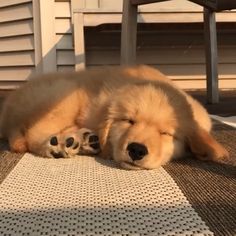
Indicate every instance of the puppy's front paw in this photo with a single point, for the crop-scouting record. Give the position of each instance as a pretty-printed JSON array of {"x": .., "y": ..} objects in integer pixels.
[
  {"x": 61, "y": 146},
  {"x": 90, "y": 144},
  {"x": 72, "y": 142}
]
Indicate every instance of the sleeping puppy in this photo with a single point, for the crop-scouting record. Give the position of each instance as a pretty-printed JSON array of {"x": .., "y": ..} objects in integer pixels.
[{"x": 141, "y": 119}]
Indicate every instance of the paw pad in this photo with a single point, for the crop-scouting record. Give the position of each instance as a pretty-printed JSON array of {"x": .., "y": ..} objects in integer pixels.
[
  {"x": 76, "y": 146},
  {"x": 93, "y": 138},
  {"x": 54, "y": 141},
  {"x": 95, "y": 146},
  {"x": 69, "y": 142}
]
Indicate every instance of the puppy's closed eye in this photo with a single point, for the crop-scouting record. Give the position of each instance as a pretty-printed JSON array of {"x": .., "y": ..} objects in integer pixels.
[
  {"x": 166, "y": 133},
  {"x": 129, "y": 121}
]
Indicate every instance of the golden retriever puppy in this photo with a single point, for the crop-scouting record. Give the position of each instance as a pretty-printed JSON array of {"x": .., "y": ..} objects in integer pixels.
[{"x": 140, "y": 118}]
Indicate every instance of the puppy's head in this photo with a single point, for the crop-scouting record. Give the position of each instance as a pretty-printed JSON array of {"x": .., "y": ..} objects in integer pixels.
[
  {"x": 146, "y": 126},
  {"x": 140, "y": 128}
]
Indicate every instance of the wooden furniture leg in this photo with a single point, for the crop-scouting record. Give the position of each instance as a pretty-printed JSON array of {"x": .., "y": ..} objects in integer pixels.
[
  {"x": 129, "y": 33},
  {"x": 211, "y": 56},
  {"x": 79, "y": 43}
]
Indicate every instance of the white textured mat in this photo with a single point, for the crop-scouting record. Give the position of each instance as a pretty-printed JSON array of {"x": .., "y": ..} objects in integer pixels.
[{"x": 84, "y": 196}]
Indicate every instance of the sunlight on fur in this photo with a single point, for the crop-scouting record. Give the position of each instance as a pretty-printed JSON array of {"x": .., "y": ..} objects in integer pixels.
[{"x": 134, "y": 115}]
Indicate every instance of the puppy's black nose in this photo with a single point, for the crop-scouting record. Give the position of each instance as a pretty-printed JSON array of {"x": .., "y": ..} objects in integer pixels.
[{"x": 137, "y": 151}]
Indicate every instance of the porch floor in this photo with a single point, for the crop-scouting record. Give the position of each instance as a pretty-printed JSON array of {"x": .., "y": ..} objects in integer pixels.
[{"x": 226, "y": 105}]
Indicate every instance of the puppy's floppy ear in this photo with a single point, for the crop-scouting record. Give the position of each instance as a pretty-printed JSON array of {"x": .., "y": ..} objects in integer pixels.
[
  {"x": 205, "y": 147},
  {"x": 103, "y": 134}
]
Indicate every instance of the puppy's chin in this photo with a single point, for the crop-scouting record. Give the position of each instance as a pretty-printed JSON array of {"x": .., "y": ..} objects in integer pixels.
[
  {"x": 130, "y": 166},
  {"x": 137, "y": 166},
  {"x": 147, "y": 163}
]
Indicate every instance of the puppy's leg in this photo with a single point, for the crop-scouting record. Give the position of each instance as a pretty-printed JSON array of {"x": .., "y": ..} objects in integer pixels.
[
  {"x": 205, "y": 147},
  {"x": 17, "y": 142}
]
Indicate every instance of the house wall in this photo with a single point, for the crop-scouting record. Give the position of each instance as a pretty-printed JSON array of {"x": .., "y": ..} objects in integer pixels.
[
  {"x": 16, "y": 42},
  {"x": 31, "y": 42}
]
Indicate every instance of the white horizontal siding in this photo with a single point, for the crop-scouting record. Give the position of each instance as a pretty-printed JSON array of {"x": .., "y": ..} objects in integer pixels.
[
  {"x": 171, "y": 6},
  {"x": 64, "y": 42},
  {"x": 62, "y": 9},
  {"x": 16, "y": 73},
  {"x": 180, "y": 55},
  {"x": 183, "y": 64},
  {"x": 183, "y": 69},
  {"x": 63, "y": 26},
  {"x": 63, "y": 30},
  {"x": 65, "y": 68},
  {"x": 10, "y": 85},
  {"x": 160, "y": 56},
  {"x": 7, "y": 3},
  {"x": 16, "y": 12},
  {"x": 21, "y": 43},
  {"x": 16, "y": 28},
  {"x": 201, "y": 84},
  {"x": 183, "y": 59},
  {"x": 195, "y": 82},
  {"x": 17, "y": 61}
]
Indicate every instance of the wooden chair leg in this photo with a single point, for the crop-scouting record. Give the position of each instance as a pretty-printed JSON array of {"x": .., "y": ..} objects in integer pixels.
[
  {"x": 211, "y": 56},
  {"x": 129, "y": 33},
  {"x": 79, "y": 44}
]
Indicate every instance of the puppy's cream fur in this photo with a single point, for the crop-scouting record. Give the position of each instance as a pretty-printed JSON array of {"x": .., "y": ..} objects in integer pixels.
[{"x": 122, "y": 105}]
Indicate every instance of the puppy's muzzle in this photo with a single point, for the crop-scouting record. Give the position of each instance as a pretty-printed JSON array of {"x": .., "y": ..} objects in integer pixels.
[{"x": 137, "y": 151}]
